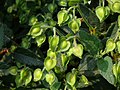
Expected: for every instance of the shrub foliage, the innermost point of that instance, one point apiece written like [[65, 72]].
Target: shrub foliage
[[59, 44]]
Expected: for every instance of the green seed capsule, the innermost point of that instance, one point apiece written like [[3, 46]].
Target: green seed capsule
[[116, 7], [110, 45], [25, 76], [71, 78], [35, 30], [119, 21], [54, 43], [74, 25], [115, 1], [52, 22], [118, 46], [107, 11], [118, 72], [37, 74], [28, 78], [84, 80], [64, 45], [64, 59], [19, 82], [32, 20], [10, 9], [23, 18], [40, 40], [57, 69], [49, 63], [51, 54], [62, 3], [13, 70], [78, 50], [115, 71], [62, 17], [25, 43], [50, 78], [100, 12], [70, 52], [52, 7], [23, 72]]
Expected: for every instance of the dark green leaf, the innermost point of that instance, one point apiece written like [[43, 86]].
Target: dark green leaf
[[114, 31], [87, 63], [55, 86], [40, 89], [111, 29], [7, 31], [3, 65], [4, 72], [89, 17], [5, 34], [91, 42], [26, 56], [74, 2], [105, 68], [1, 36]]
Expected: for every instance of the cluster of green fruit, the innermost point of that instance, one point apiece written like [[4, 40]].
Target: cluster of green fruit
[[103, 12], [113, 45], [58, 56], [114, 6], [73, 22], [36, 32], [24, 76], [116, 69], [60, 47]]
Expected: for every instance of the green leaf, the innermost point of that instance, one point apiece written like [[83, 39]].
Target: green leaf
[[3, 65], [5, 34], [26, 56], [91, 42], [113, 30], [87, 63], [74, 2], [88, 16], [40, 89], [105, 68], [4, 72], [1, 36], [55, 86]]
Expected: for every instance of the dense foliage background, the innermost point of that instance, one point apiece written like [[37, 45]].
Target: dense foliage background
[[59, 44]]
